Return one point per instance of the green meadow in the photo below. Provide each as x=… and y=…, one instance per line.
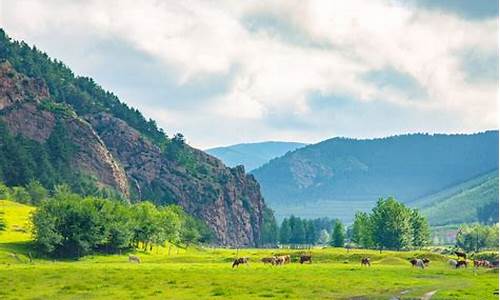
x=206, y=273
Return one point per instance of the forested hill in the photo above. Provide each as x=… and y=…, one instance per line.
x=252, y=155
x=56, y=128
x=344, y=174
x=475, y=200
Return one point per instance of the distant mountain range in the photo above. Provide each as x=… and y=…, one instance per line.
x=252, y=155
x=339, y=176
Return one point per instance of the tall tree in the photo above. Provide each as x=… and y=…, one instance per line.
x=298, y=232
x=338, y=234
x=390, y=222
x=420, y=229
x=269, y=234
x=362, y=231
x=285, y=232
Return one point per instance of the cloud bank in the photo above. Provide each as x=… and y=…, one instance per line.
x=225, y=72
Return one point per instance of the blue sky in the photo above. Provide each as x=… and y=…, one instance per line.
x=225, y=72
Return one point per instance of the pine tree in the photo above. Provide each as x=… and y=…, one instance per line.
x=285, y=232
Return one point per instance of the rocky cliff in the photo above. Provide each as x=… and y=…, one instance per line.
x=113, y=152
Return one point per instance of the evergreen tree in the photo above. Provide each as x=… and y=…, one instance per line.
x=298, y=233
x=36, y=191
x=285, y=232
x=269, y=231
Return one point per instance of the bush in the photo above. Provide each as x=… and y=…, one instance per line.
x=21, y=195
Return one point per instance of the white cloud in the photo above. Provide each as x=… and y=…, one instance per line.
x=276, y=75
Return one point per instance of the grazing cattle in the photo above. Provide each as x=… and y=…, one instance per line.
x=426, y=261
x=461, y=263
x=269, y=260
x=461, y=254
x=452, y=262
x=134, y=259
x=365, y=261
x=279, y=260
x=305, y=258
x=240, y=261
x=482, y=263
x=287, y=259
x=417, y=262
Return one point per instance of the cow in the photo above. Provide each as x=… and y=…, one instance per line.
x=279, y=260
x=287, y=259
x=417, y=262
x=365, y=261
x=240, y=261
x=461, y=263
x=269, y=260
x=305, y=258
x=482, y=263
x=426, y=261
x=452, y=262
x=134, y=259
x=461, y=254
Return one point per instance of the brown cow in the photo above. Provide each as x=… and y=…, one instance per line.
x=365, y=261
x=287, y=259
x=461, y=263
x=482, y=263
x=269, y=260
x=279, y=260
x=305, y=258
x=240, y=261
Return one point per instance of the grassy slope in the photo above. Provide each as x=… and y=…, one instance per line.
x=458, y=204
x=206, y=273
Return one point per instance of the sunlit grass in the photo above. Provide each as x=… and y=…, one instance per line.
x=206, y=273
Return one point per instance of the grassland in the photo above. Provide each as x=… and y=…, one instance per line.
x=206, y=273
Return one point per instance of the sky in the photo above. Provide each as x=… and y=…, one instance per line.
x=227, y=72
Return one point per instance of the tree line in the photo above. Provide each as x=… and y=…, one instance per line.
x=390, y=225
x=474, y=237
x=70, y=225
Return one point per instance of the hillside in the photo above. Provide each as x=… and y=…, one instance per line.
x=339, y=176
x=460, y=203
x=56, y=127
x=252, y=155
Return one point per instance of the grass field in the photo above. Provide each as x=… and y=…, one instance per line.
x=203, y=273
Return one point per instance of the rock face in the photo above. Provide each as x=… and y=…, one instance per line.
x=226, y=198
x=118, y=156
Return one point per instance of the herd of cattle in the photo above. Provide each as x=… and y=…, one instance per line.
x=279, y=260
x=365, y=261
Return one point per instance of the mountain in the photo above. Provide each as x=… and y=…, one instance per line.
x=57, y=128
x=339, y=176
x=461, y=203
x=252, y=155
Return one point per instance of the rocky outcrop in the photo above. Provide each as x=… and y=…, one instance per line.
x=227, y=199
x=21, y=111
x=15, y=87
